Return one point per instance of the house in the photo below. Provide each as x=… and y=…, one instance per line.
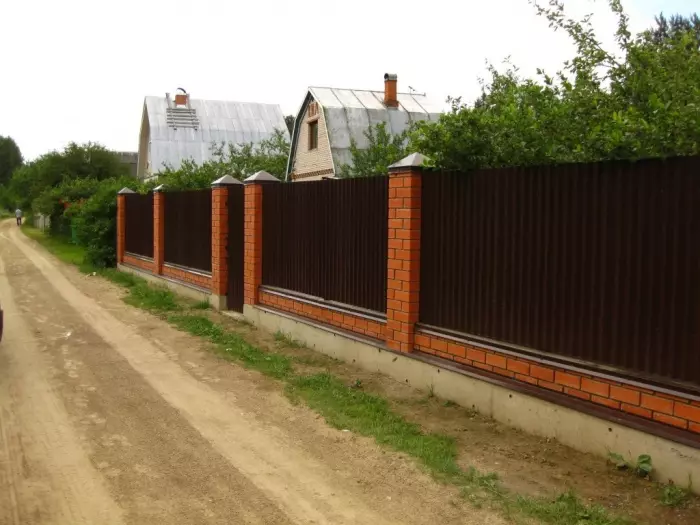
x=131, y=159
x=330, y=118
x=173, y=130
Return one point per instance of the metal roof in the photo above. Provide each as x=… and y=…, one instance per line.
x=218, y=121
x=348, y=114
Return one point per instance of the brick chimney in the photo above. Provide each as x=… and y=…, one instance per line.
x=390, y=99
x=181, y=98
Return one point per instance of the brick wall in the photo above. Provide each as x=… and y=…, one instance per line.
x=673, y=410
x=219, y=240
x=196, y=279
x=312, y=164
x=403, y=264
x=353, y=323
x=252, y=242
x=139, y=262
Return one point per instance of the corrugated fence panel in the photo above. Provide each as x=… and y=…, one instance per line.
x=328, y=239
x=139, y=224
x=187, y=229
x=596, y=263
x=235, y=247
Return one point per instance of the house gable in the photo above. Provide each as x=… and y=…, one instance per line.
x=310, y=157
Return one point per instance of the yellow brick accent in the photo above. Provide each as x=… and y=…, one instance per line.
x=319, y=159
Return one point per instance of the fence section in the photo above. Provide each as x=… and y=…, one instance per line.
x=187, y=229
x=596, y=263
x=139, y=224
x=328, y=239
x=234, y=296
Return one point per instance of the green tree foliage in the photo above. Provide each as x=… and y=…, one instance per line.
x=87, y=161
x=10, y=158
x=239, y=161
x=289, y=121
x=384, y=149
x=94, y=220
x=599, y=106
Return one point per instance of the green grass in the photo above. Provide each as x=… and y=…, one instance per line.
x=674, y=496
x=348, y=407
x=61, y=247
x=286, y=340
x=201, y=305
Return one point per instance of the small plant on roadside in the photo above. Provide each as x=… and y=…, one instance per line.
x=672, y=495
x=283, y=339
x=642, y=467
x=201, y=305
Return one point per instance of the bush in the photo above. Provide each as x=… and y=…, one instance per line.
x=95, y=222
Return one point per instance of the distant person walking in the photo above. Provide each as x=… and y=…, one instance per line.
x=18, y=214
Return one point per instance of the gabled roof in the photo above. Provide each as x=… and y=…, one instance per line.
x=216, y=121
x=348, y=114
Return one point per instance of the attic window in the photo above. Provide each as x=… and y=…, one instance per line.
x=179, y=117
x=313, y=110
x=313, y=135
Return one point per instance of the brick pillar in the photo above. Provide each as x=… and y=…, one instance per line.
x=121, y=223
x=403, y=282
x=158, y=229
x=252, y=234
x=219, y=240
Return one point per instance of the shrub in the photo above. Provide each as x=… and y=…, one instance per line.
x=95, y=222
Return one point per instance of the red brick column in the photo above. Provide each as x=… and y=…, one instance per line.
x=121, y=223
x=403, y=279
x=219, y=240
x=158, y=229
x=252, y=234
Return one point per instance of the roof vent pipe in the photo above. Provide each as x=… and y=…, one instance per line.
x=390, y=99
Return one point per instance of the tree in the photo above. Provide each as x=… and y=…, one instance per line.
x=10, y=158
x=383, y=150
x=668, y=29
x=639, y=101
x=86, y=161
x=289, y=120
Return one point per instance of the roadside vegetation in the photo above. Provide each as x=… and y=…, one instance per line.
x=347, y=406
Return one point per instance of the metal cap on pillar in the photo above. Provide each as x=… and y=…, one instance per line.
x=159, y=188
x=125, y=191
x=414, y=160
x=226, y=180
x=261, y=176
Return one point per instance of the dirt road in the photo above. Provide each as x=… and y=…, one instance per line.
x=109, y=415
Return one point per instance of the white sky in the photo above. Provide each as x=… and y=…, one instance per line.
x=77, y=70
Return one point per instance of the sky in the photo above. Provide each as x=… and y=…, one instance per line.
x=77, y=70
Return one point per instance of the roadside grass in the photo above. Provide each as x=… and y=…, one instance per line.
x=348, y=407
x=61, y=247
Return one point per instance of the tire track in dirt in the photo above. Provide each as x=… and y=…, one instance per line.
x=46, y=476
x=301, y=486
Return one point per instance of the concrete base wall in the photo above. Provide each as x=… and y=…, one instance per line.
x=578, y=430
x=198, y=294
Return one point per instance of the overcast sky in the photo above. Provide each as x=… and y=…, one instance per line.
x=77, y=70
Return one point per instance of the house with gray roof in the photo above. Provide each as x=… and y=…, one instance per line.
x=179, y=128
x=331, y=119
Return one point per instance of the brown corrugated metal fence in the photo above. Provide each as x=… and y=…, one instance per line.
x=595, y=263
x=235, y=247
x=328, y=239
x=187, y=229
x=139, y=224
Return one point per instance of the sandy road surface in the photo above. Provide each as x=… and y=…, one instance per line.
x=109, y=415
